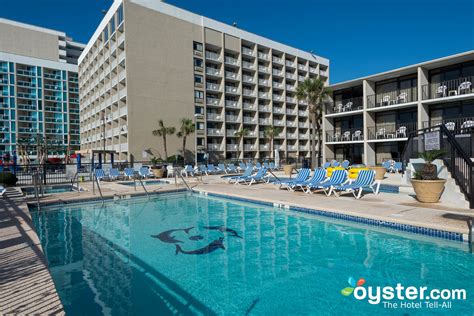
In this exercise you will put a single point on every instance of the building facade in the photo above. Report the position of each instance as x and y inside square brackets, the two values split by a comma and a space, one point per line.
[149, 61]
[39, 100]
[369, 119]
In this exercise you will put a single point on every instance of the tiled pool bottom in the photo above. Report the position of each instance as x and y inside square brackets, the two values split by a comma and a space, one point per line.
[124, 258]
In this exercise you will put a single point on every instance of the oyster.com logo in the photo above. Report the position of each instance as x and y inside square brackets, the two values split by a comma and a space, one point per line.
[400, 296]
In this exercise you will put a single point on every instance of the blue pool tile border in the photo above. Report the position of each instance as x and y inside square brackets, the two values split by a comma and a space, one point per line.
[431, 232]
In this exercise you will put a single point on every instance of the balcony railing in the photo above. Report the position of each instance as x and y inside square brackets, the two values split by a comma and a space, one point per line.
[231, 89]
[290, 64]
[248, 92]
[232, 147]
[345, 135]
[277, 97]
[278, 122]
[263, 69]
[232, 118]
[263, 82]
[263, 56]
[249, 106]
[264, 108]
[278, 110]
[278, 73]
[213, 101]
[391, 131]
[250, 120]
[451, 124]
[214, 147]
[231, 60]
[392, 98]
[277, 85]
[277, 60]
[231, 75]
[214, 132]
[290, 76]
[214, 116]
[449, 88]
[212, 86]
[231, 104]
[291, 111]
[249, 147]
[264, 95]
[213, 56]
[248, 65]
[291, 100]
[247, 51]
[231, 132]
[346, 105]
[213, 71]
[264, 121]
[249, 79]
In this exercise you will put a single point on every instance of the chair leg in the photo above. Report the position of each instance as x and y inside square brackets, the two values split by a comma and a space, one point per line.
[360, 193]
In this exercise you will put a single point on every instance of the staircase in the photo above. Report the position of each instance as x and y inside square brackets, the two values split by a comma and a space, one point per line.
[459, 166]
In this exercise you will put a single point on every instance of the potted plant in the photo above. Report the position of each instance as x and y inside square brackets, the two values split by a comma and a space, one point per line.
[157, 170]
[379, 172]
[428, 187]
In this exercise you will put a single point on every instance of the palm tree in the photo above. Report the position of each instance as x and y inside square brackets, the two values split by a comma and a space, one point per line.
[314, 92]
[270, 133]
[186, 129]
[164, 131]
[240, 135]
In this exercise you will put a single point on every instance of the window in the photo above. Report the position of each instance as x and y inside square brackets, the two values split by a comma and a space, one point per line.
[199, 110]
[198, 94]
[197, 46]
[106, 33]
[197, 62]
[200, 141]
[198, 79]
[120, 15]
[112, 24]
[200, 126]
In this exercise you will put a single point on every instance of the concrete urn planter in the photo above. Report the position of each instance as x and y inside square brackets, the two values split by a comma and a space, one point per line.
[288, 169]
[379, 172]
[158, 172]
[428, 191]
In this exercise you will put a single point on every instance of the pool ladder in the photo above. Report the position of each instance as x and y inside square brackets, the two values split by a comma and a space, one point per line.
[141, 182]
[38, 186]
[178, 172]
[95, 180]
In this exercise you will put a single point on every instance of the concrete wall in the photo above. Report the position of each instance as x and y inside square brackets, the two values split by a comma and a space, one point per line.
[27, 42]
[160, 77]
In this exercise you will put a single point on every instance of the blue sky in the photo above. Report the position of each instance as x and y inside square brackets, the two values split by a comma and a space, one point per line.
[360, 37]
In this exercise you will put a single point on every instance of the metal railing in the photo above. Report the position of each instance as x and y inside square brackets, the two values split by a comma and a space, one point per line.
[448, 88]
[345, 135]
[392, 97]
[345, 105]
[391, 131]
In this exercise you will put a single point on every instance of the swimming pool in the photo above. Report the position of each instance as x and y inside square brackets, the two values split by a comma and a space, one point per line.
[193, 254]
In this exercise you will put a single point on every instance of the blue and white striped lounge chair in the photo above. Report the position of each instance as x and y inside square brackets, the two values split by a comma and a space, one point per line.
[249, 164]
[145, 172]
[129, 172]
[326, 165]
[212, 169]
[345, 164]
[2, 191]
[242, 166]
[335, 163]
[396, 168]
[114, 174]
[272, 166]
[258, 165]
[302, 176]
[338, 177]
[365, 179]
[100, 174]
[386, 164]
[187, 171]
[266, 165]
[203, 170]
[318, 176]
[258, 177]
[247, 173]
[231, 168]
[221, 168]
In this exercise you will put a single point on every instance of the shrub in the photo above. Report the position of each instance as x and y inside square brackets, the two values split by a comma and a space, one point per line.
[8, 178]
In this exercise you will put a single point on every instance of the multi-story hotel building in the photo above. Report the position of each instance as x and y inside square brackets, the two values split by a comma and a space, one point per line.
[39, 89]
[370, 118]
[149, 60]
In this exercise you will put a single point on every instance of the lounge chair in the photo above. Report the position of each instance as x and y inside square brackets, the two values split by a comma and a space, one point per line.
[258, 165]
[318, 176]
[188, 170]
[365, 180]
[170, 171]
[100, 174]
[338, 177]
[386, 164]
[2, 191]
[129, 172]
[242, 166]
[266, 165]
[231, 168]
[326, 165]
[397, 167]
[345, 164]
[302, 176]
[212, 169]
[145, 172]
[221, 168]
[114, 174]
[247, 173]
[203, 170]
[272, 166]
[258, 177]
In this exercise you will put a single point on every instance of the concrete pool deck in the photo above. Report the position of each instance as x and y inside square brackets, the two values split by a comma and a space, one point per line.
[26, 286]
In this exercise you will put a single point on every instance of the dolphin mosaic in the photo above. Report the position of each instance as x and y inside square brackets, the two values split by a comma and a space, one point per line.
[216, 244]
[223, 229]
[168, 238]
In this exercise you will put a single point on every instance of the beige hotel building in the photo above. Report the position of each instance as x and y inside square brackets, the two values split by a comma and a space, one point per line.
[149, 60]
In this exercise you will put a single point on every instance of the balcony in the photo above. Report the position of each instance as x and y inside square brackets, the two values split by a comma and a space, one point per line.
[248, 79]
[449, 88]
[303, 136]
[277, 60]
[264, 147]
[263, 95]
[228, 60]
[264, 122]
[277, 85]
[231, 132]
[345, 135]
[278, 110]
[214, 117]
[290, 123]
[301, 78]
[290, 76]
[263, 69]
[313, 70]
[211, 71]
[232, 147]
[290, 64]
[303, 113]
[213, 101]
[215, 147]
[264, 109]
[290, 87]
[392, 98]
[213, 56]
[303, 125]
[231, 75]
[232, 89]
[263, 56]
[452, 124]
[212, 86]
[248, 51]
[302, 67]
[345, 105]
[249, 147]
[214, 132]
[324, 73]
[291, 100]
[249, 106]
[292, 148]
[263, 82]
[277, 97]
[250, 120]
[248, 65]
[248, 93]
[231, 104]
[391, 131]
[303, 147]
[277, 73]
[232, 118]
[291, 111]
[291, 135]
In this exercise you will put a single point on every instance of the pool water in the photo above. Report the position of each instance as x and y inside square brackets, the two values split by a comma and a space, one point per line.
[188, 254]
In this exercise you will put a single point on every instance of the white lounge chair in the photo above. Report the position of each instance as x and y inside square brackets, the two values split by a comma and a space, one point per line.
[2, 191]
[450, 126]
[385, 100]
[402, 97]
[346, 136]
[401, 132]
[357, 135]
[464, 87]
[466, 125]
[441, 91]
[381, 132]
[347, 107]
[170, 171]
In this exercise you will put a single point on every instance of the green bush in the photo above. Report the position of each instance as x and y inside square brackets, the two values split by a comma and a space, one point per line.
[7, 178]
